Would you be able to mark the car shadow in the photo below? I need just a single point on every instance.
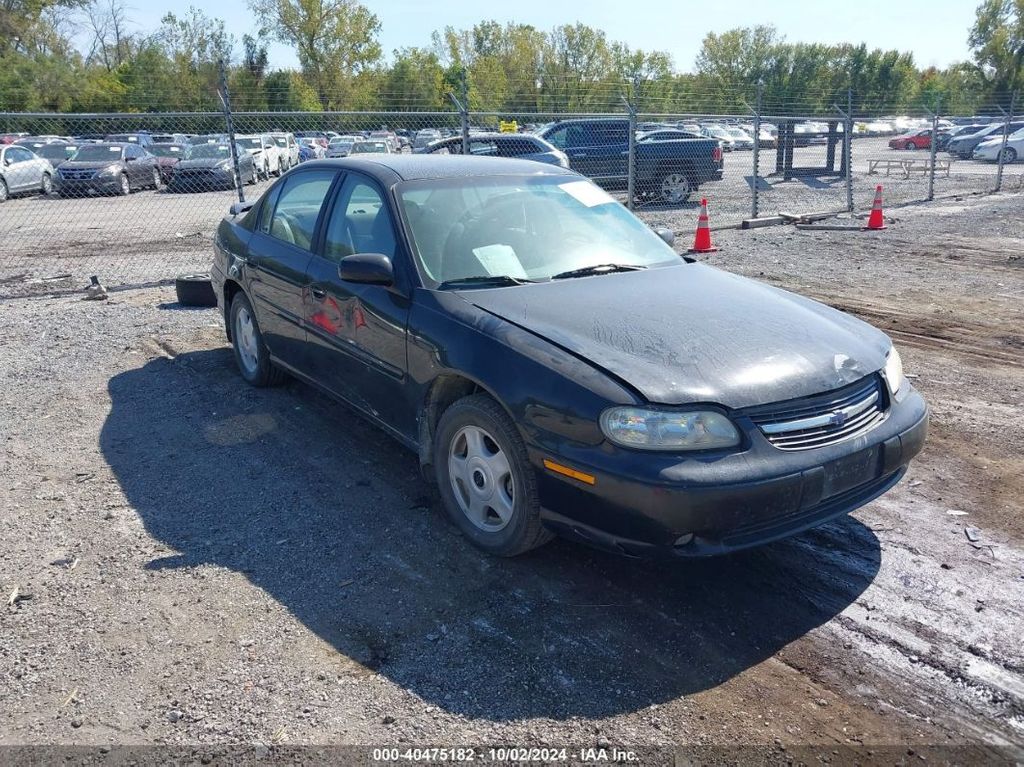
(330, 517)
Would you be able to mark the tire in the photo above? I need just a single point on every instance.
(1009, 155)
(911, 146)
(501, 512)
(4, 194)
(47, 185)
(266, 171)
(674, 188)
(254, 177)
(257, 370)
(195, 290)
(124, 185)
(156, 178)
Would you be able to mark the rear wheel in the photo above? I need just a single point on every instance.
(675, 188)
(251, 353)
(486, 482)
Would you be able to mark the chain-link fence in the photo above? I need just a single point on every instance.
(135, 198)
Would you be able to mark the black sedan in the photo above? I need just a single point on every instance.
(209, 166)
(109, 168)
(555, 364)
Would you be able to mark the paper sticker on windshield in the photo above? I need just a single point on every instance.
(114, 149)
(500, 260)
(589, 194)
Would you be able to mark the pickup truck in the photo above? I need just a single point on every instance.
(666, 171)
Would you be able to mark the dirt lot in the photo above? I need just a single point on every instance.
(190, 561)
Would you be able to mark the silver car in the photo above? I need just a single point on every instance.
(21, 172)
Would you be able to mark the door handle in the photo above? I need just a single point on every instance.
(318, 293)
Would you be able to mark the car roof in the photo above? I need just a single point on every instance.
(390, 168)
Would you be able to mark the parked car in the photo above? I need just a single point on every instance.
(107, 168)
(668, 171)
(287, 147)
(963, 146)
(309, 149)
(990, 148)
(142, 139)
(520, 145)
(740, 138)
(555, 364)
(424, 138)
(942, 142)
(265, 153)
(56, 152)
(170, 138)
(22, 172)
(371, 147)
(321, 137)
(720, 134)
(209, 166)
(341, 146)
(918, 139)
(167, 156)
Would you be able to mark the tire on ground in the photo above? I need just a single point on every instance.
(524, 531)
(195, 290)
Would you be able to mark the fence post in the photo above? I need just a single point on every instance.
(630, 153)
(464, 112)
(932, 149)
(754, 199)
(1006, 134)
(225, 99)
(848, 149)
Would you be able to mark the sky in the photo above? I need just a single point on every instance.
(935, 31)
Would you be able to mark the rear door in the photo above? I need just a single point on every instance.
(279, 254)
(357, 333)
(599, 148)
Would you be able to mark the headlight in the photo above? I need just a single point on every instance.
(647, 429)
(110, 170)
(224, 165)
(893, 372)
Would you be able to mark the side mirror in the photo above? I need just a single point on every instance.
(367, 269)
(667, 235)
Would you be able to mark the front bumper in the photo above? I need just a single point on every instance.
(661, 506)
(206, 179)
(95, 185)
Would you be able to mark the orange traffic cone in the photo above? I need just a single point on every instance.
(876, 220)
(702, 239)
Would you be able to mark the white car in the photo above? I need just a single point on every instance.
(989, 149)
(288, 147)
(22, 171)
(266, 154)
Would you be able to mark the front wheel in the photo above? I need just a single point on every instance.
(675, 188)
(1009, 155)
(911, 146)
(124, 186)
(3, 190)
(47, 184)
(253, 176)
(251, 353)
(156, 179)
(485, 479)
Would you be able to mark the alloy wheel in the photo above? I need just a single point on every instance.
(47, 183)
(675, 188)
(481, 479)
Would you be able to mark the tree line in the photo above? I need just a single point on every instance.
(86, 56)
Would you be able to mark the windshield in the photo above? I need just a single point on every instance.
(98, 153)
(341, 142)
(737, 133)
(717, 133)
(369, 147)
(167, 150)
(255, 141)
(208, 151)
(281, 140)
(525, 228)
(56, 151)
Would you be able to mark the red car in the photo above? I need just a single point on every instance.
(921, 139)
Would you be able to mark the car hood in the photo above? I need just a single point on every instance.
(695, 334)
(202, 162)
(69, 165)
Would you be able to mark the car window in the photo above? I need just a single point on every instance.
(359, 223)
(17, 154)
(558, 138)
(483, 147)
(298, 206)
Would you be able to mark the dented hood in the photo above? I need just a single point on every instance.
(695, 334)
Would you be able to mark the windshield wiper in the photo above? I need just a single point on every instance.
(484, 280)
(587, 271)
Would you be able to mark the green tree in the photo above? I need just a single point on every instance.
(335, 41)
(997, 40)
(288, 91)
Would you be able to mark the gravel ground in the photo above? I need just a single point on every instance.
(52, 243)
(190, 561)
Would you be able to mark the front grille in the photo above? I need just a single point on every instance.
(77, 175)
(823, 419)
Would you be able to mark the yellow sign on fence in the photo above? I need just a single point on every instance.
(508, 126)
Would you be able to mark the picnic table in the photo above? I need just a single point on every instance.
(908, 165)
